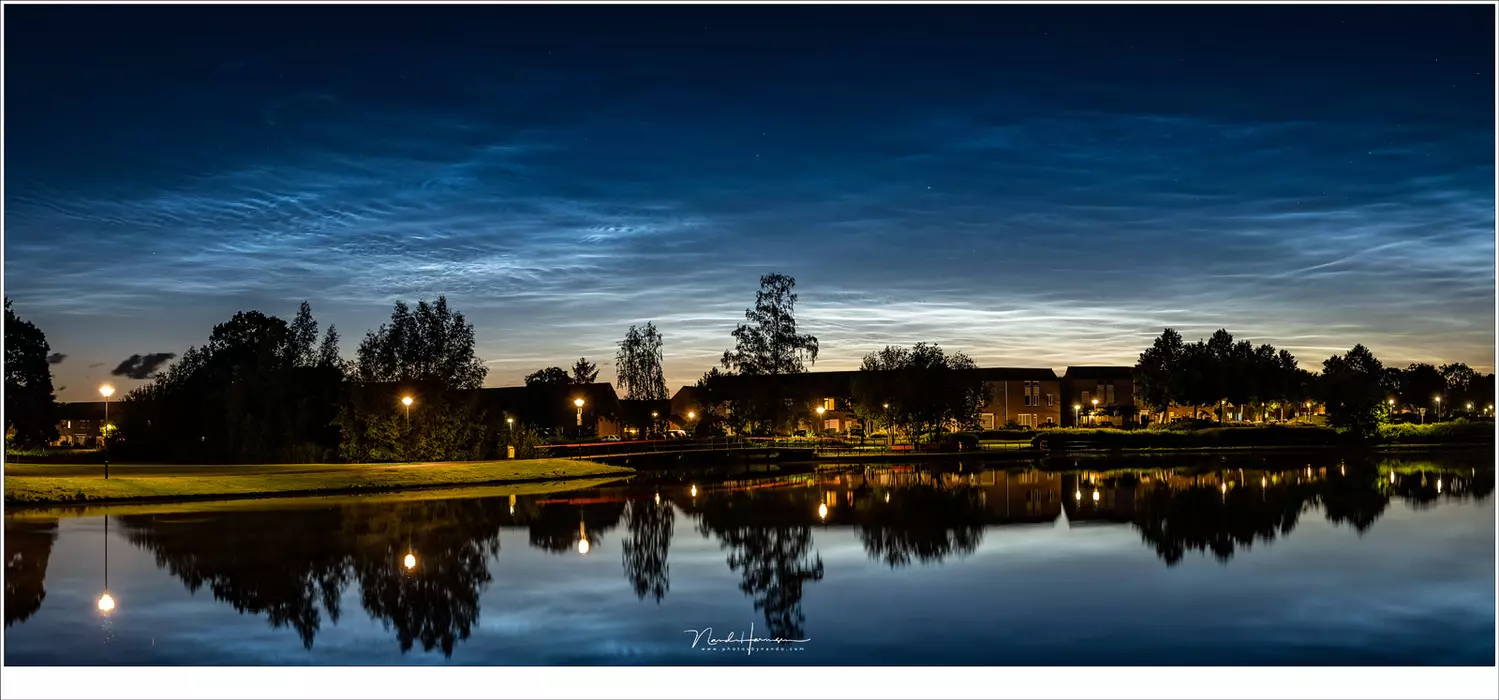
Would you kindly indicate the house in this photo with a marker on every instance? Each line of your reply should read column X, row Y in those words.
column 1098, row 395
column 1028, row 397
column 81, row 423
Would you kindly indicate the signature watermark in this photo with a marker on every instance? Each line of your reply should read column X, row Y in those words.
column 703, row 640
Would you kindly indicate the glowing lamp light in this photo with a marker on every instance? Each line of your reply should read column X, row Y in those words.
column 1439, row 485
column 106, row 391
column 106, row 602
column 820, row 410
column 410, row 561
column 406, row 401
column 822, row 511
column 582, row 546
column 509, row 421
column 1263, row 482
column 694, row 490
column 578, row 403
column 1392, row 477
column 1095, row 495
column 1223, row 488
column 887, row 498
column 658, row 499
column 1077, row 495
column 691, row 415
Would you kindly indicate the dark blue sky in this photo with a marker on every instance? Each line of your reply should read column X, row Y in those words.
column 1038, row 186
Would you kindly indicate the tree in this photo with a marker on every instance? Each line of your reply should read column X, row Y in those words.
column 30, row 407
column 302, row 348
column 551, row 376
column 1460, row 381
column 769, row 343
column 585, row 372
column 1352, row 390
column 927, row 389
column 638, row 364
column 1419, row 384
column 327, row 353
column 433, row 345
column 256, row 391
column 1158, row 371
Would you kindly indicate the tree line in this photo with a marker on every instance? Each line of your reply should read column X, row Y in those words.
column 1356, row 390
column 266, row 389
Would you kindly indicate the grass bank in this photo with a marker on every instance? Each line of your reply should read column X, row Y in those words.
column 37, row 484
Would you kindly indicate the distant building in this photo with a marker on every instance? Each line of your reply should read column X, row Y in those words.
column 1112, row 387
column 81, row 423
column 1026, row 397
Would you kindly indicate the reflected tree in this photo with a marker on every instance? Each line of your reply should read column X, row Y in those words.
column 28, row 545
column 923, row 524
column 645, row 549
column 435, row 600
column 773, row 557
column 282, row 565
column 1206, row 519
column 557, row 527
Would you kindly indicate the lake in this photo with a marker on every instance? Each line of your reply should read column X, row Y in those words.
column 1246, row 559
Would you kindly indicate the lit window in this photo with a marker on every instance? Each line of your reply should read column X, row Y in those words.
column 827, row 404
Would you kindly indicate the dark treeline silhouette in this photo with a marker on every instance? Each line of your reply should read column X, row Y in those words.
column 1355, row 387
column 30, row 406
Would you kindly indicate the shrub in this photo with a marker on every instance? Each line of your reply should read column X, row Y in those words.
column 1450, row 431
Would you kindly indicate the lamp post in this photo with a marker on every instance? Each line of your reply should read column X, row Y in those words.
column 579, row 404
column 1308, row 411
column 1093, row 417
column 1438, row 412
column 820, row 411
column 106, row 391
column 1077, row 412
column 406, row 401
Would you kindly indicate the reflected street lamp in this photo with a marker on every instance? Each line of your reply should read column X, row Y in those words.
column 583, row 545
column 106, row 391
column 106, row 601
column 409, row 562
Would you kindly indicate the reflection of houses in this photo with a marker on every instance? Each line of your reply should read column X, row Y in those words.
column 81, row 423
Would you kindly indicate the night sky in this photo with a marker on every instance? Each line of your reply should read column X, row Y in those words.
column 1035, row 186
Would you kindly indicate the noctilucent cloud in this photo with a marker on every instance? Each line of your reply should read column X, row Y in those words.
column 1035, row 186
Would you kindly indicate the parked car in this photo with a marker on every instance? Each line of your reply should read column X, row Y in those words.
column 676, row 435
column 609, row 438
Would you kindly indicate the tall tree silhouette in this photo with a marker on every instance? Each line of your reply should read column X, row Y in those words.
column 645, row 548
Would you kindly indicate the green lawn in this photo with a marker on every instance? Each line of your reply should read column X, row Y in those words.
column 71, row 483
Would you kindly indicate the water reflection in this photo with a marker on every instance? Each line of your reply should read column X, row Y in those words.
column 28, row 544
column 420, row 568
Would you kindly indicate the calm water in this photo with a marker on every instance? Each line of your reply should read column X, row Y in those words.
column 1237, row 561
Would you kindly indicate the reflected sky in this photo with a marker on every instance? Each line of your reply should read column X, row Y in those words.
column 1328, row 563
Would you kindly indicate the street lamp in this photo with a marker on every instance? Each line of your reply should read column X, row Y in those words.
column 1438, row 401
column 820, row 424
column 579, row 404
column 406, row 401
column 1094, row 416
column 1076, row 413
column 106, row 391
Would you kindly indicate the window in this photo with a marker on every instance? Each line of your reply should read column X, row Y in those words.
column 1087, row 398
column 986, row 421
column 1109, row 393
column 1032, row 393
column 1050, row 400
column 827, row 404
column 1027, row 419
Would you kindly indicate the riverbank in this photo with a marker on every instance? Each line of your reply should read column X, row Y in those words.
column 62, row 484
